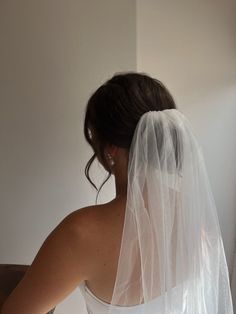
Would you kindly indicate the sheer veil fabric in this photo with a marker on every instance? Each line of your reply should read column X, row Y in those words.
column 172, row 258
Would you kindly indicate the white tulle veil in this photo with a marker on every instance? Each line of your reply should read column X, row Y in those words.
column 172, row 258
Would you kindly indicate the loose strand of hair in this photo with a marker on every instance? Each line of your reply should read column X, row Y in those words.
column 87, row 169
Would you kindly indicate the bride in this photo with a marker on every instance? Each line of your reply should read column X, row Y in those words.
column 157, row 246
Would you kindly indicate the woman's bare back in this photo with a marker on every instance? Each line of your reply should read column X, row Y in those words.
column 102, row 231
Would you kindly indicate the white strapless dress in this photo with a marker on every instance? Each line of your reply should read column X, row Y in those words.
column 95, row 305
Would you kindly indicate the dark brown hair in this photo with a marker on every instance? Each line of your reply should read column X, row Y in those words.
column 114, row 109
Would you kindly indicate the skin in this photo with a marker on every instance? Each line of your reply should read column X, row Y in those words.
column 84, row 246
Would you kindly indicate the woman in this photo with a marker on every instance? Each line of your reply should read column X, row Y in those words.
column 156, row 247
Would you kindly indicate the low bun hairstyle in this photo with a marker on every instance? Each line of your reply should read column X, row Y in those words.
column 114, row 109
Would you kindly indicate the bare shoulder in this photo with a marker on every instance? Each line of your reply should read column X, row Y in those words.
column 89, row 225
column 85, row 218
column 97, row 224
column 97, row 233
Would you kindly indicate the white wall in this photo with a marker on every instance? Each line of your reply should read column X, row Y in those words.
column 53, row 54
column 233, row 286
column 191, row 46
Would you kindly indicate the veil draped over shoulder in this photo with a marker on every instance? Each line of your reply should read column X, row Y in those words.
column 172, row 258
